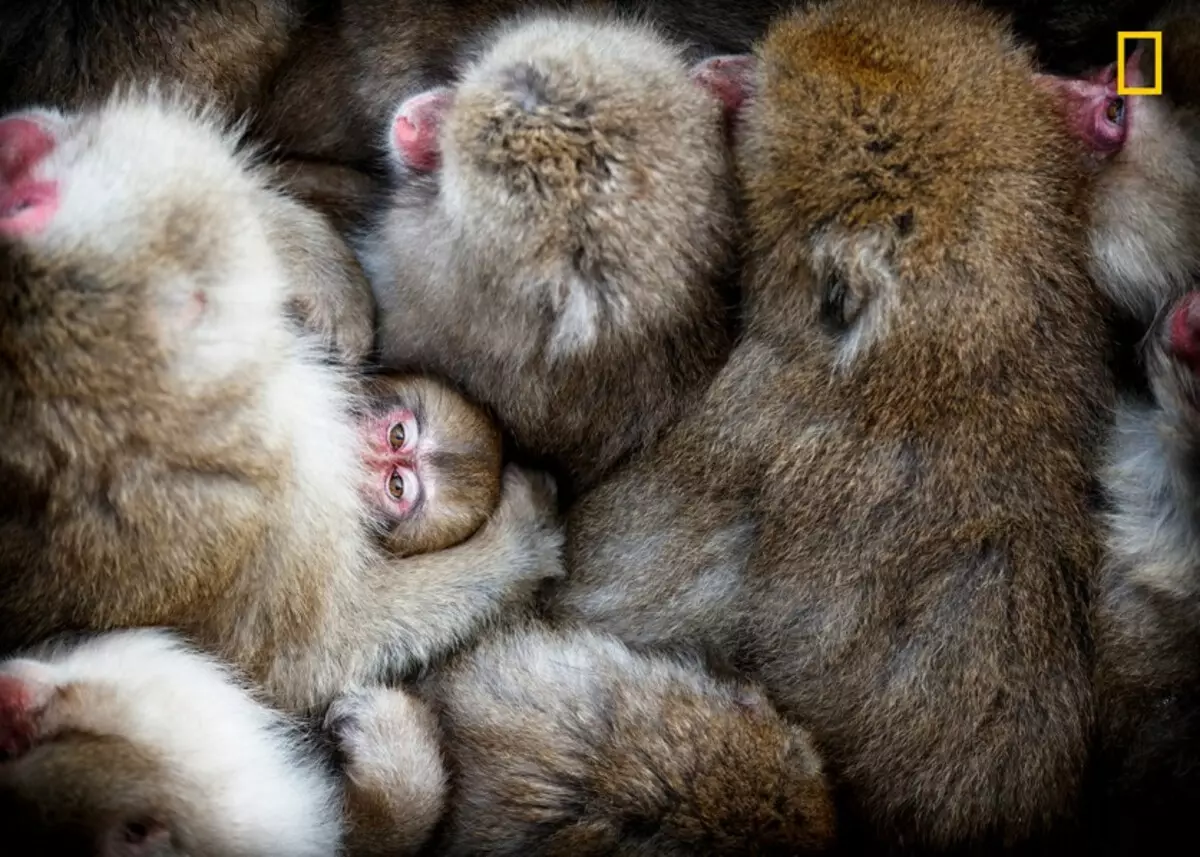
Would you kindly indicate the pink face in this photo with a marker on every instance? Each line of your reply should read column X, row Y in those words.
column 1094, row 112
column 392, row 442
column 26, row 203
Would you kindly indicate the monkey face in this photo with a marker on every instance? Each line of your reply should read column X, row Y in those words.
column 432, row 461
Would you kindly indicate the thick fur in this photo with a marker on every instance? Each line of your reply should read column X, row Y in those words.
column 1149, row 611
column 135, row 728
column 178, row 452
column 568, row 743
column 1144, row 223
column 563, row 265
column 881, row 509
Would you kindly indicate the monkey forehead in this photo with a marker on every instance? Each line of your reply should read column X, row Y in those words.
column 147, row 174
column 917, row 109
column 583, row 105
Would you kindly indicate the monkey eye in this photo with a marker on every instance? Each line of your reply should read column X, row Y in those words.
column 1114, row 112
column 396, row 485
column 402, row 432
column 403, row 490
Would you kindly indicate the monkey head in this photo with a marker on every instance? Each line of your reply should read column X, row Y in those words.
column 433, row 461
column 893, row 222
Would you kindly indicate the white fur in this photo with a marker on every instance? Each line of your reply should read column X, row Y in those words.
column 1145, row 220
column 252, row 782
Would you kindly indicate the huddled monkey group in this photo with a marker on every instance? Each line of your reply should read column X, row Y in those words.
column 595, row 427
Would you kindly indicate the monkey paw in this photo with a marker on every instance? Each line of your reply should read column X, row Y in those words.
column 393, row 763
column 528, row 518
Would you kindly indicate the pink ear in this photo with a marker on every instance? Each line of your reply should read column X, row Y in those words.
column 19, row 706
column 26, row 205
column 1085, row 104
column 416, row 128
column 730, row 78
column 1185, row 330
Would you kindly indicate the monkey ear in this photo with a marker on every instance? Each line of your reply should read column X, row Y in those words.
column 1184, row 330
column 730, row 78
column 26, row 205
column 138, row 837
column 21, row 705
column 417, row 126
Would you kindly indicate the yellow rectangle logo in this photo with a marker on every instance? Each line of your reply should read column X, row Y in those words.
column 1156, row 38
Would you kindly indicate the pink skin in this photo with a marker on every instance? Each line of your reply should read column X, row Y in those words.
column 1184, row 340
column 385, row 461
column 729, row 78
column 19, row 708
column 416, row 128
column 1096, row 114
column 26, row 204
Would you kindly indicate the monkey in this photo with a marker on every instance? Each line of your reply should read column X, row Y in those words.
column 882, row 509
column 134, row 743
column 559, row 245
column 1147, row 633
column 1144, row 215
column 568, row 742
column 71, row 53
column 434, row 463
column 177, row 451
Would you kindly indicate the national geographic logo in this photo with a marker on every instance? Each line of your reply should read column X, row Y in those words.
column 1155, row 39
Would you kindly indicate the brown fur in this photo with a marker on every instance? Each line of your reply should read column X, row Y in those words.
column 524, row 268
column 176, row 454
column 894, row 535
column 568, row 743
column 465, row 461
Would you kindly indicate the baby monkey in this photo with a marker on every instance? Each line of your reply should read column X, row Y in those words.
column 560, row 240
column 433, row 462
column 1149, row 607
column 132, row 743
column 1143, row 215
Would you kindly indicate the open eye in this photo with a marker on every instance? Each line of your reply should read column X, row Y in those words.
column 402, row 433
column 1114, row 111
column 403, row 488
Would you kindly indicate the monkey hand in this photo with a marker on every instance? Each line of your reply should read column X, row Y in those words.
column 395, row 781
column 342, row 318
column 527, row 520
